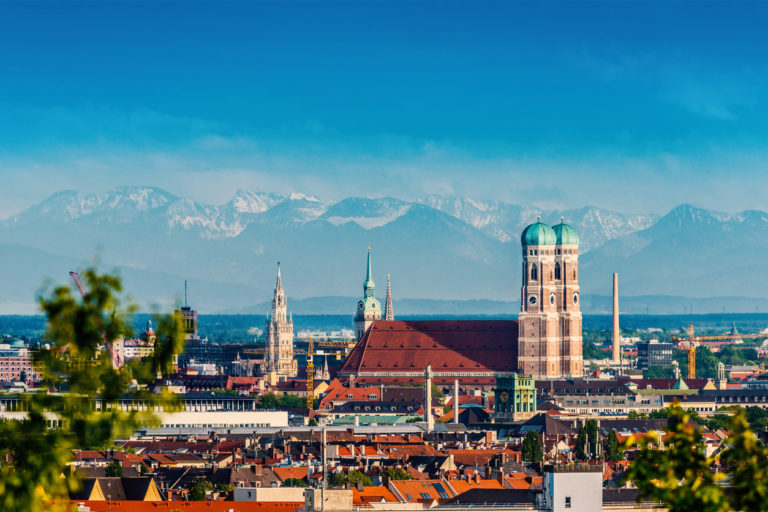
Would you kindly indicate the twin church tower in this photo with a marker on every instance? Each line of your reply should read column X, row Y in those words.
column 549, row 325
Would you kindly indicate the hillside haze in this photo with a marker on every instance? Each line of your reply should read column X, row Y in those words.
column 444, row 249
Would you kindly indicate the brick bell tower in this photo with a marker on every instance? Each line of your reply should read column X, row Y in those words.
column 539, row 347
column 567, row 298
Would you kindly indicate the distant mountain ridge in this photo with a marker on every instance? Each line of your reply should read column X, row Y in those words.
column 502, row 221
column 437, row 248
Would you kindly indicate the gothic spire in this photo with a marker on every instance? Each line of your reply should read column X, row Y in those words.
column 279, row 305
column 369, row 285
column 279, row 285
column 389, row 313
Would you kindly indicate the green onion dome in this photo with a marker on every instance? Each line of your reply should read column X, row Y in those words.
column 565, row 234
column 538, row 234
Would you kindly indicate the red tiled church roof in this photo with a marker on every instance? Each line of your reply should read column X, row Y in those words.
column 450, row 346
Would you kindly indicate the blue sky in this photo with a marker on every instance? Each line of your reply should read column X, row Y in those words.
column 635, row 106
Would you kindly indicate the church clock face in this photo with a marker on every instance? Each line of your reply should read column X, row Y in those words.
column 360, row 305
column 532, row 300
column 504, row 396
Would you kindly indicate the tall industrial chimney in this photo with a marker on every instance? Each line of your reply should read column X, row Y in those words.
column 616, row 331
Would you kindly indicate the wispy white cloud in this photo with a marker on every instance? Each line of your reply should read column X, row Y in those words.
column 209, row 162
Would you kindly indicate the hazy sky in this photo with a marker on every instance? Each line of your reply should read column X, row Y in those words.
column 632, row 106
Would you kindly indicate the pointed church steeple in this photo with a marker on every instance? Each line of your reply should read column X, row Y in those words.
column 279, row 284
column 279, row 305
column 369, row 285
column 368, row 308
column 389, row 313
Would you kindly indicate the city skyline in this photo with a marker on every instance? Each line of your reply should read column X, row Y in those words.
column 557, row 105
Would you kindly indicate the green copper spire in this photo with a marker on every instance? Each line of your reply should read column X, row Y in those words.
column 369, row 285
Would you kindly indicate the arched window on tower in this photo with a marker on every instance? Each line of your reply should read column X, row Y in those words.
column 557, row 272
column 534, row 273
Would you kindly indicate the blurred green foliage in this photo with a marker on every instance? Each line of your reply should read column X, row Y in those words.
column 79, row 409
column 678, row 473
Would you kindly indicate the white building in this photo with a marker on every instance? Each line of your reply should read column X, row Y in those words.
column 573, row 488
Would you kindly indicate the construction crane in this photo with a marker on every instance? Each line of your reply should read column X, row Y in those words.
column 336, row 344
column 116, row 361
column 694, row 341
column 261, row 351
column 310, row 376
column 297, row 351
column 718, row 337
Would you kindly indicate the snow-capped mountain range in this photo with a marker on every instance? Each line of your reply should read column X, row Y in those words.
column 435, row 248
column 502, row 221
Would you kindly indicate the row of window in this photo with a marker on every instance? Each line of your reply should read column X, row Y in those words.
column 558, row 272
column 535, row 252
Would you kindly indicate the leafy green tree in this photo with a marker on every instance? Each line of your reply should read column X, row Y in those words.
column 593, row 436
column 532, row 451
column 658, row 372
column 757, row 418
column 354, row 477
column 198, row 489
column 337, row 479
column 293, row 482
column 114, row 468
column 586, row 440
column 613, row 452
column 225, row 487
column 269, row 401
column 718, row 421
column 634, row 415
column 590, row 351
column 746, row 460
column 33, row 475
column 292, row 402
column 667, row 412
column 678, row 475
column 312, row 422
column 397, row 474
column 581, row 444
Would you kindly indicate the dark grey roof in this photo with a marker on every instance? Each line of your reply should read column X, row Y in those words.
column 544, row 424
column 112, row 487
column 633, row 425
column 85, row 492
column 581, row 387
column 136, row 488
column 622, row 496
column 694, row 397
